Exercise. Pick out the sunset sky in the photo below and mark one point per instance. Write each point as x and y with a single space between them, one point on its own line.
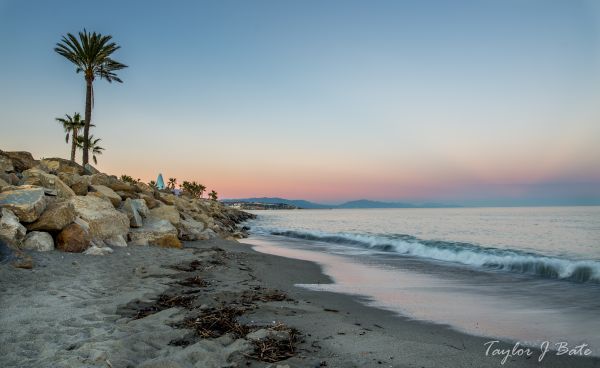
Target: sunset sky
469 102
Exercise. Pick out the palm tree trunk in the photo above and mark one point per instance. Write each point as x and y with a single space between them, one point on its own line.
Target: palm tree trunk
73 144
88 118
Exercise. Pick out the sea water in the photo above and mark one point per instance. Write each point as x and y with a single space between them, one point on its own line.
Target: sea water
523 274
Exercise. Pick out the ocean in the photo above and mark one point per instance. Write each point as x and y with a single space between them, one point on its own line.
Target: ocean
527 274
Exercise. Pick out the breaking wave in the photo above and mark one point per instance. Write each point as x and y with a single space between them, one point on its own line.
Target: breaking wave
463 253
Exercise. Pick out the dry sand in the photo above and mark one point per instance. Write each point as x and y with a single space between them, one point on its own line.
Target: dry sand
74 310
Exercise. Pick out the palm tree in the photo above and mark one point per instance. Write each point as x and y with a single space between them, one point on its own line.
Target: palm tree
213 195
72 124
92 145
91 54
171 184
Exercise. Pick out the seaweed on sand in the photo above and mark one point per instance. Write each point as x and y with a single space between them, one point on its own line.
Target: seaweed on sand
215 322
166 301
194 281
272 349
264 295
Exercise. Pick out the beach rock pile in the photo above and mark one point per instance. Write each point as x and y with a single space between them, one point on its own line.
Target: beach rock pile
54 203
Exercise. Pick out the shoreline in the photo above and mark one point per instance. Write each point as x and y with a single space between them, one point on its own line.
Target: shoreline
77 310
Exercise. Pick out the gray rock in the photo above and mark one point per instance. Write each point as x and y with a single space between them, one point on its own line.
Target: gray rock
6 165
264 333
141 207
116 241
61 165
257 335
190 229
3 184
95 250
55 218
27 202
207 234
41 178
11 230
11 178
135 209
103 219
90 170
155 232
106 192
39 241
21 161
168 213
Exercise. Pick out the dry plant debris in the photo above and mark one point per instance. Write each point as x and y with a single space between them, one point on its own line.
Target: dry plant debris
260 295
215 322
271 349
166 301
194 281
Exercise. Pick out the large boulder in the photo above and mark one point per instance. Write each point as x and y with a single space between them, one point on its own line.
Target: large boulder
11 230
100 179
6 165
103 219
79 183
59 165
167 198
27 202
39 241
151 202
136 210
3 184
190 229
121 186
55 218
125 195
80 188
168 213
10 178
73 238
90 170
140 206
105 192
155 232
207 234
116 241
41 178
21 161
144 188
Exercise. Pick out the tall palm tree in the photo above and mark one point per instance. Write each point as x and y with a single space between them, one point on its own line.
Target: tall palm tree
172 183
92 145
91 54
72 124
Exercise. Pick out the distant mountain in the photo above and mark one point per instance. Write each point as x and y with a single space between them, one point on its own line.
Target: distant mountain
365 203
362 203
274 200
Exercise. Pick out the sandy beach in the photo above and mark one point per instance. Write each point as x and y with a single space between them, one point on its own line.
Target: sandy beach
137 307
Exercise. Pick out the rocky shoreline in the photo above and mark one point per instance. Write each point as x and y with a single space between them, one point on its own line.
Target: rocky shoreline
55 203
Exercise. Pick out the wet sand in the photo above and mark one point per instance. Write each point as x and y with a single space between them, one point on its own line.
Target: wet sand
74 310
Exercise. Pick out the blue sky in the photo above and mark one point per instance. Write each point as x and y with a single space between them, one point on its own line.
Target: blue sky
461 101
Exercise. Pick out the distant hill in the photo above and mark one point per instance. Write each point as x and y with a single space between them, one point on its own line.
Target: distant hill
274 200
365 203
362 203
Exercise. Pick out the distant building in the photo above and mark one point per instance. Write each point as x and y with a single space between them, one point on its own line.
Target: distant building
160 183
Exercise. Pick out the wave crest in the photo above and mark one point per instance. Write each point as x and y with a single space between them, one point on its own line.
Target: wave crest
463 253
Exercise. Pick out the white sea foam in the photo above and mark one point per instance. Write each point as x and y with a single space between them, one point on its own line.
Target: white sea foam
461 253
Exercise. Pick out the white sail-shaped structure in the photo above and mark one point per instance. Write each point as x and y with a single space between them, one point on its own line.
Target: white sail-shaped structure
160 183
